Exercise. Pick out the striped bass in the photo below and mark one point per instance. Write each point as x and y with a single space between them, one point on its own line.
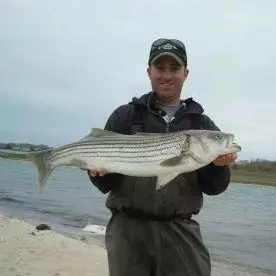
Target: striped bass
163 155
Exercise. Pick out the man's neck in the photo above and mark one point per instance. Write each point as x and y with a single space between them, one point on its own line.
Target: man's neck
174 103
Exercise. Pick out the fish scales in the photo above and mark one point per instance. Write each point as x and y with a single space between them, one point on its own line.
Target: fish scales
126 144
99 150
152 152
131 142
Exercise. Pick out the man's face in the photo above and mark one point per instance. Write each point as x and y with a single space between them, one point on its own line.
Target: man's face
167 77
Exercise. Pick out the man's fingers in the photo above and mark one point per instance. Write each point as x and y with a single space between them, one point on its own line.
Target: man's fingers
228 159
102 172
98 171
234 156
231 157
93 172
225 159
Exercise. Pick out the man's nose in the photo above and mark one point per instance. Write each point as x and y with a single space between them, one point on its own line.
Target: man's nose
167 74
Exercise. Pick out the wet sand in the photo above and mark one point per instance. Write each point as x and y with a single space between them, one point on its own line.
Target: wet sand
27 251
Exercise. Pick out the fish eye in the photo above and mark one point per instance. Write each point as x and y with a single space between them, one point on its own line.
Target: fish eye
218 136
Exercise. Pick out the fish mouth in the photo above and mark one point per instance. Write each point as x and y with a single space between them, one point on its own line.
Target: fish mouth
236 146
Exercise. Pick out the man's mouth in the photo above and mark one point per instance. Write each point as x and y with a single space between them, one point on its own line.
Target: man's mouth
166 84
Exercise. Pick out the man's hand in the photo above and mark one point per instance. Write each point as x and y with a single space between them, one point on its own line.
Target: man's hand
225 160
98 171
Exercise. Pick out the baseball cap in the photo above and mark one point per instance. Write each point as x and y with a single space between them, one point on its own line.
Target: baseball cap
166 46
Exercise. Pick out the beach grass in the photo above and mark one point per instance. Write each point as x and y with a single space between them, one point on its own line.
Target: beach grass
13 155
257 177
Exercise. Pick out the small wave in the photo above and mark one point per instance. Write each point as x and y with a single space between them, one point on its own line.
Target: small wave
81 220
69 224
51 212
12 200
95 229
85 219
3 191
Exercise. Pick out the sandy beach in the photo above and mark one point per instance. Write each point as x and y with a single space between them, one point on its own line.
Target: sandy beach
27 251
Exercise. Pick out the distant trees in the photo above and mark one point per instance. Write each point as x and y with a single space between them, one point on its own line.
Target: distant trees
255 165
22 147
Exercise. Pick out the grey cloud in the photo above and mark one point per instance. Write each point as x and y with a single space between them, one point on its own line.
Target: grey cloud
79 60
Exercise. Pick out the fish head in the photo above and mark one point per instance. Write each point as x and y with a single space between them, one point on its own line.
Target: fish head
207 145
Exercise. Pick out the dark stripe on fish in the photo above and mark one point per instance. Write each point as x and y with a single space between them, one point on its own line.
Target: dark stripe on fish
155 152
151 147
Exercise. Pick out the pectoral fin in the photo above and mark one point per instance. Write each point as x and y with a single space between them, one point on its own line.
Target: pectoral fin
78 163
164 179
174 161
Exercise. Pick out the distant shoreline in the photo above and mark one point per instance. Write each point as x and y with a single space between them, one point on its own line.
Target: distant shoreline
13 155
237 176
258 178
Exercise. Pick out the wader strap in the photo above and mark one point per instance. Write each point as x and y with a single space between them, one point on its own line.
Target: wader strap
139 214
198 121
138 120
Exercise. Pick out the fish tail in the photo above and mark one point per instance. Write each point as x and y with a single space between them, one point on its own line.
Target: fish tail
43 166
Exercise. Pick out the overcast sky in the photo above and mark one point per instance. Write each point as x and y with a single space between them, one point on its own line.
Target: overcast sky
66 65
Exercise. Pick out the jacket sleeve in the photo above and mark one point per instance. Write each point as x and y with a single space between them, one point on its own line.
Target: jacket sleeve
213 180
119 121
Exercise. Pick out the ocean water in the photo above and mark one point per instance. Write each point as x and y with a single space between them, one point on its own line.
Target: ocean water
238 226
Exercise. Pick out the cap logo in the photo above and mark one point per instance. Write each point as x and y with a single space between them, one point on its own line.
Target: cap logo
167 47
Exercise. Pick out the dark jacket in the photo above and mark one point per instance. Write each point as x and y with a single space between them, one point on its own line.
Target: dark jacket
184 195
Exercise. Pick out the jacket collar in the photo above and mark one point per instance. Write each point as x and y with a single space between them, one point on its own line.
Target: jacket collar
150 100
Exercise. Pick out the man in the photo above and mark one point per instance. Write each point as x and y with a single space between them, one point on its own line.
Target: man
152 232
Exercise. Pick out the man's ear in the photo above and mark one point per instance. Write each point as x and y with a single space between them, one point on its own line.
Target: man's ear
186 72
149 71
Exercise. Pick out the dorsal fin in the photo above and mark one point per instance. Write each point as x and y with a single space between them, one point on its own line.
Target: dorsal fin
148 133
102 132
98 132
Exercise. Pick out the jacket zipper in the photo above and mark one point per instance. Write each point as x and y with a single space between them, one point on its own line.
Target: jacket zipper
167 121
167 127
